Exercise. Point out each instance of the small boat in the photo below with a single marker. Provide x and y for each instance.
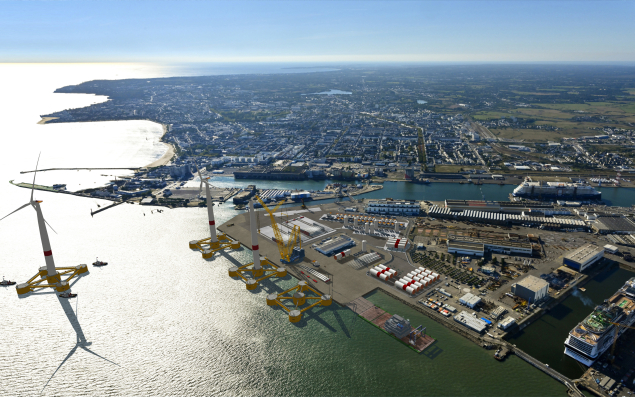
(67, 295)
(582, 289)
(6, 283)
(99, 263)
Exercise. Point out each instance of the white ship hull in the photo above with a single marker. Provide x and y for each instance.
(577, 356)
(556, 190)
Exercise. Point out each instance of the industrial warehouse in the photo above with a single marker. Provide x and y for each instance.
(583, 257)
(498, 218)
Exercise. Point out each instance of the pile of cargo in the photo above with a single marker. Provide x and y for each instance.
(342, 254)
(399, 244)
(383, 272)
(416, 280)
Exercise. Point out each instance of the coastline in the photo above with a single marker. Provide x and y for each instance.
(45, 120)
(168, 154)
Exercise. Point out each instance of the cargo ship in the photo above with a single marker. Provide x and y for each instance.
(557, 190)
(595, 334)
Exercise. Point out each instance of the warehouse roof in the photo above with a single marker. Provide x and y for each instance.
(466, 245)
(533, 283)
(614, 223)
(584, 253)
(470, 321)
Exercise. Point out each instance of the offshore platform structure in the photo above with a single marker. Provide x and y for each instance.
(258, 269)
(291, 250)
(50, 276)
(216, 242)
(298, 296)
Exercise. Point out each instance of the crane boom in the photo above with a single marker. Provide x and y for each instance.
(617, 327)
(286, 249)
(274, 225)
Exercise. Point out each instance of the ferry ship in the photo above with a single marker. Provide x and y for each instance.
(559, 190)
(595, 334)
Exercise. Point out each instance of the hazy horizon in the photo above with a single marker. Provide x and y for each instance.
(317, 32)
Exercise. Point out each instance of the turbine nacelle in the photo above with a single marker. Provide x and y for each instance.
(32, 202)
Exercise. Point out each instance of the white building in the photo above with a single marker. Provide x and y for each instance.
(611, 249)
(390, 207)
(470, 300)
(470, 321)
(583, 257)
(531, 289)
(506, 323)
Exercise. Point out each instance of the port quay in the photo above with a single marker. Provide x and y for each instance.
(359, 253)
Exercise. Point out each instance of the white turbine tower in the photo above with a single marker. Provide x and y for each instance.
(210, 210)
(51, 273)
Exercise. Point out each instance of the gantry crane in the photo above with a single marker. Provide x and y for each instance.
(617, 327)
(292, 249)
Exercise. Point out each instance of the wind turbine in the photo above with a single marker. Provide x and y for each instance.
(48, 272)
(210, 209)
(208, 246)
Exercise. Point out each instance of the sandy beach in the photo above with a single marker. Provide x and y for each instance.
(168, 154)
(47, 119)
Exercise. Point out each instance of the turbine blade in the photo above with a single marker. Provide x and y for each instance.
(200, 188)
(25, 205)
(50, 226)
(34, 174)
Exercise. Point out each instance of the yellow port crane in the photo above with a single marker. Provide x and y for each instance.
(617, 327)
(286, 249)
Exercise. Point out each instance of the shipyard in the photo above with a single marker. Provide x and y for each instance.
(485, 275)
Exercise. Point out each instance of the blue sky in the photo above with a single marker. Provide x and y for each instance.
(317, 31)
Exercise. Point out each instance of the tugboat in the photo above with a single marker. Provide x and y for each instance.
(67, 294)
(99, 263)
(6, 283)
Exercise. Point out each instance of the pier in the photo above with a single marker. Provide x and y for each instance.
(80, 168)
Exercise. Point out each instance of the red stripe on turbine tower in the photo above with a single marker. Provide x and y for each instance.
(212, 222)
(254, 247)
(48, 253)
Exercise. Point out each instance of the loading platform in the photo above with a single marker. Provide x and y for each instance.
(298, 296)
(257, 273)
(56, 281)
(417, 340)
(209, 248)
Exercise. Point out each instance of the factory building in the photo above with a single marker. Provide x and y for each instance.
(391, 207)
(331, 246)
(583, 257)
(489, 244)
(493, 217)
(465, 248)
(531, 289)
(470, 300)
(470, 321)
(617, 224)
